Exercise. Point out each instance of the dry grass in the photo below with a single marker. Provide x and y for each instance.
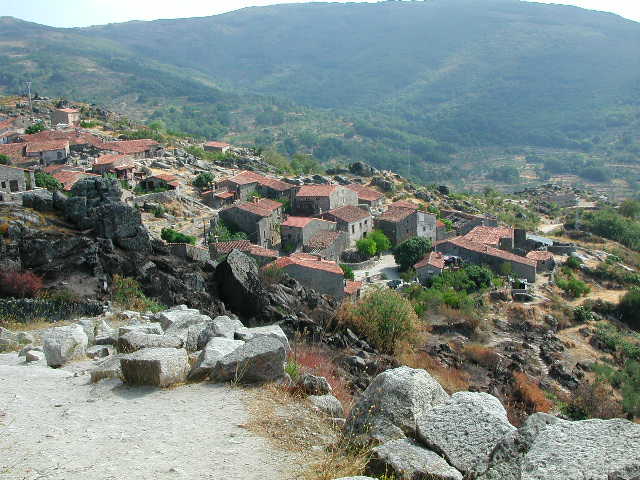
(289, 423)
(484, 356)
(452, 379)
(531, 394)
(37, 324)
(319, 361)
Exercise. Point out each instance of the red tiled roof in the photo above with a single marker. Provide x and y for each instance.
(217, 144)
(47, 146)
(53, 168)
(75, 137)
(253, 208)
(246, 177)
(540, 255)
(351, 288)
(68, 110)
(17, 168)
(323, 239)
(69, 178)
(440, 223)
(222, 194)
(109, 159)
(268, 204)
(349, 213)
(227, 247)
(488, 250)
(365, 193)
(308, 261)
(435, 259)
(489, 235)
(298, 222)
(261, 252)
(15, 151)
(130, 146)
(404, 204)
(396, 214)
(7, 123)
(316, 190)
(167, 177)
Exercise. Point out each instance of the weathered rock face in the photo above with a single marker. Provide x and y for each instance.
(122, 224)
(593, 449)
(465, 430)
(239, 286)
(273, 331)
(222, 326)
(390, 407)
(362, 169)
(327, 404)
(63, 344)
(313, 385)
(259, 360)
(189, 329)
(159, 367)
(151, 328)
(409, 461)
(107, 368)
(137, 340)
(216, 349)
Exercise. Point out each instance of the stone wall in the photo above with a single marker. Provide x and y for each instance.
(190, 252)
(159, 197)
(299, 236)
(319, 280)
(15, 180)
(23, 310)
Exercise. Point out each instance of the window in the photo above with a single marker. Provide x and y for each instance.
(353, 229)
(13, 185)
(4, 184)
(59, 155)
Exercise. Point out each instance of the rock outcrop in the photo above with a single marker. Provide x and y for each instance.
(239, 286)
(216, 349)
(160, 367)
(64, 344)
(259, 360)
(392, 404)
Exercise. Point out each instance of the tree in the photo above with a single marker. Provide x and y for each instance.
(35, 128)
(204, 180)
(630, 208)
(382, 242)
(171, 236)
(44, 180)
(410, 252)
(629, 308)
(367, 247)
(348, 271)
(4, 160)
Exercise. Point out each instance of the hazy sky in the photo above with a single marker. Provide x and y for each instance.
(80, 13)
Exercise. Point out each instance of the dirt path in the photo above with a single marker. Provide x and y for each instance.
(55, 425)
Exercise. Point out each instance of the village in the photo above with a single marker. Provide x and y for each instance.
(311, 228)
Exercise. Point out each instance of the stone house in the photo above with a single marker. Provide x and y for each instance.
(9, 131)
(479, 254)
(442, 233)
(403, 221)
(122, 166)
(430, 266)
(367, 196)
(16, 153)
(324, 276)
(497, 237)
(78, 139)
(15, 180)
(216, 147)
(318, 199)
(463, 223)
(352, 289)
(327, 244)
(259, 219)
(544, 260)
(261, 255)
(245, 183)
(295, 232)
(143, 148)
(217, 199)
(67, 116)
(68, 178)
(162, 181)
(354, 221)
(45, 153)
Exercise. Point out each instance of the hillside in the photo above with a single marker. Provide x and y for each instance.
(439, 91)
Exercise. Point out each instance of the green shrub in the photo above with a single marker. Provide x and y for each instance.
(629, 308)
(293, 368)
(159, 211)
(127, 294)
(226, 233)
(582, 314)
(271, 274)
(204, 181)
(573, 287)
(382, 241)
(44, 180)
(410, 252)
(171, 236)
(4, 160)
(35, 128)
(367, 247)
(383, 316)
(573, 263)
(348, 272)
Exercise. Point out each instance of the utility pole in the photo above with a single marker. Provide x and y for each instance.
(29, 93)
(408, 163)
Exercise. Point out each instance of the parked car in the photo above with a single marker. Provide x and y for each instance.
(395, 284)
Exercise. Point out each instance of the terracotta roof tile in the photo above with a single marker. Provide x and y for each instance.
(130, 146)
(489, 235)
(365, 193)
(487, 250)
(75, 137)
(35, 147)
(316, 190)
(217, 144)
(7, 123)
(268, 204)
(246, 177)
(226, 247)
(167, 177)
(69, 178)
(351, 288)
(223, 194)
(322, 240)
(68, 110)
(435, 259)
(404, 204)
(15, 151)
(396, 214)
(348, 213)
(540, 255)
(308, 261)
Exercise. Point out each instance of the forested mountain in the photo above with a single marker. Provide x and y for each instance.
(412, 81)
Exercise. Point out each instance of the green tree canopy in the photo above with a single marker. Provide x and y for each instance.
(382, 242)
(410, 252)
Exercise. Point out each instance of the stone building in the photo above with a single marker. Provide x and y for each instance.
(544, 260)
(216, 147)
(295, 232)
(480, 254)
(324, 276)
(46, 153)
(138, 149)
(68, 178)
(354, 221)
(9, 132)
(217, 199)
(66, 116)
(327, 244)
(259, 219)
(162, 181)
(261, 255)
(14, 180)
(430, 266)
(403, 221)
(463, 223)
(497, 237)
(122, 166)
(245, 183)
(367, 196)
(318, 199)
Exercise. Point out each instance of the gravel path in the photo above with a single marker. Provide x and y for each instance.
(55, 425)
